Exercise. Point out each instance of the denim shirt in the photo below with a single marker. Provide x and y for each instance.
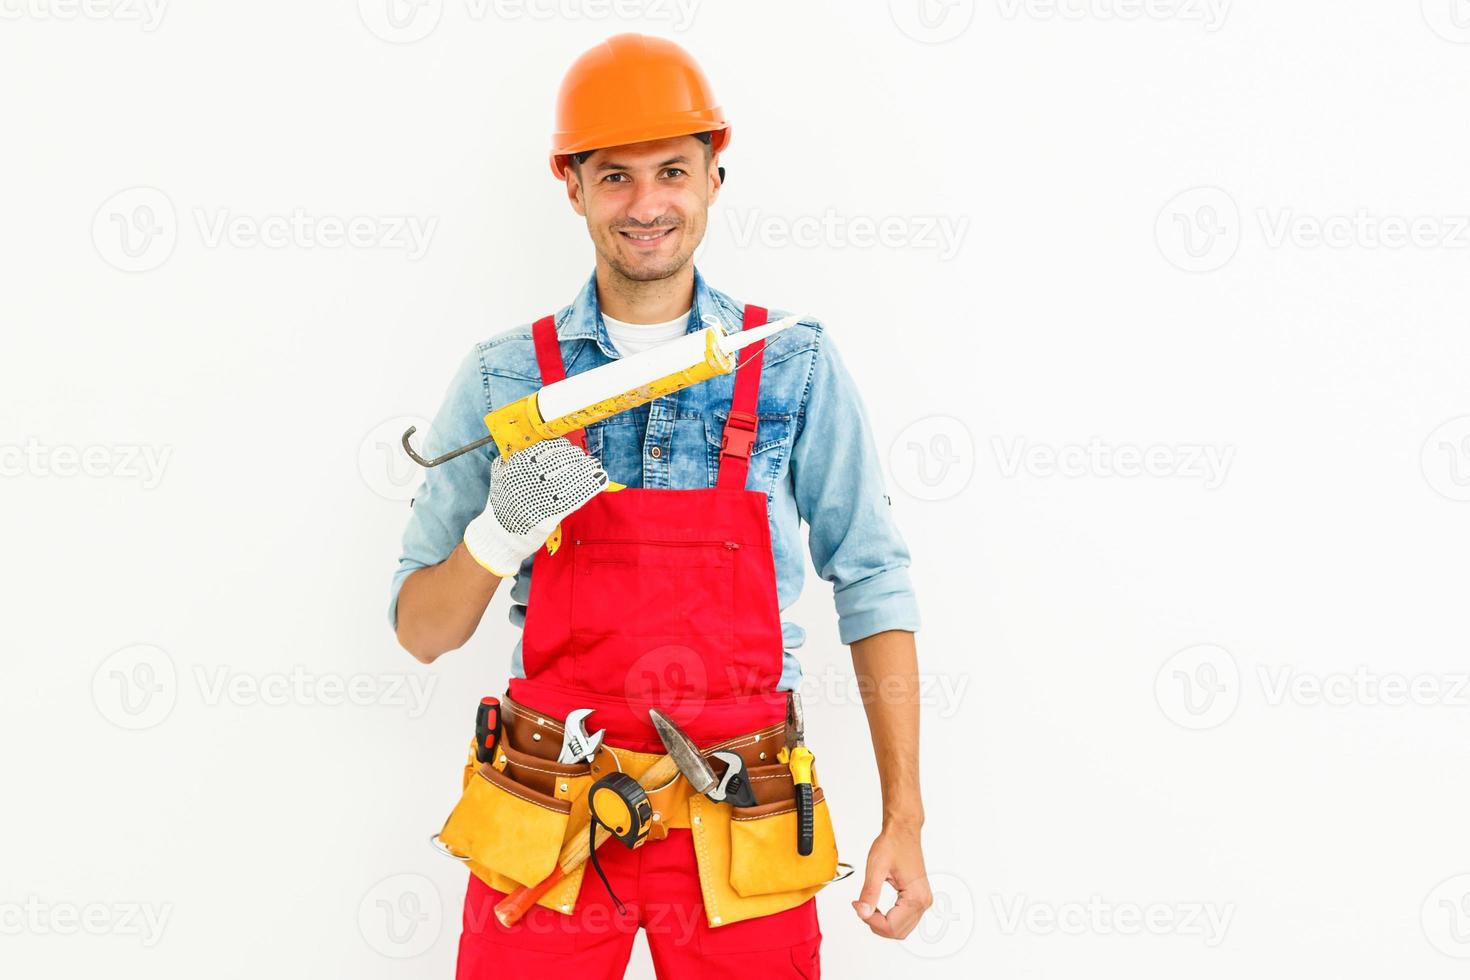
(814, 458)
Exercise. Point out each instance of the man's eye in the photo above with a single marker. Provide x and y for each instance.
(674, 170)
(611, 176)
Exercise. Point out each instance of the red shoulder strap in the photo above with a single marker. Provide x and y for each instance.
(548, 359)
(740, 428)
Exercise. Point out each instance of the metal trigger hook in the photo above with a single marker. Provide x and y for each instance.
(453, 454)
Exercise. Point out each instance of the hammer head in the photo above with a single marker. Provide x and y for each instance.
(576, 744)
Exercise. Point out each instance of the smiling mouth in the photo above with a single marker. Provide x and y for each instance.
(646, 237)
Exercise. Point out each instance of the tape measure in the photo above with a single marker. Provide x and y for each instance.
(619, 805)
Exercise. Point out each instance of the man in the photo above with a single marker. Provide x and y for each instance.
(676, 582)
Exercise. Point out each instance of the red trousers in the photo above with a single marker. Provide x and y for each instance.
(659, 886)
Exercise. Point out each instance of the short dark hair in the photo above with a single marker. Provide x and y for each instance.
(580, 158)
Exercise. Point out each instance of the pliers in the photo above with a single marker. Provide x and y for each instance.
(800, 759)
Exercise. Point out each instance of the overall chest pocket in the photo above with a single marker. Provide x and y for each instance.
(652, 590)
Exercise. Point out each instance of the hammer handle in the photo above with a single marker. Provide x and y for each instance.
(574, 853)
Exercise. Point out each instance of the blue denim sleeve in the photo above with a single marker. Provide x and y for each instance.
(453, 493)
(839, 488)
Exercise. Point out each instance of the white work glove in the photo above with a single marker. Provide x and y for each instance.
(530, 493)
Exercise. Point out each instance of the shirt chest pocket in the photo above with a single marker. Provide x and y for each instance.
(768, 455)
(619, 443)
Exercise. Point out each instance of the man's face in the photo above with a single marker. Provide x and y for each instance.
(645, 204)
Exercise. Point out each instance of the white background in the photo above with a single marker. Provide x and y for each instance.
(1125, 720)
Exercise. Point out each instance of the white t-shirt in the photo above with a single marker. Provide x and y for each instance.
(635, 338)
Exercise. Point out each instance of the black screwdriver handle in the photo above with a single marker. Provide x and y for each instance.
(487, 729)
(805, 820)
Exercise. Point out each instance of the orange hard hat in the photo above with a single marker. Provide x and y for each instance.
(632, 88)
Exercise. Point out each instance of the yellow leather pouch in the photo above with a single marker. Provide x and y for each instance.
(748, 864)
(670, 800)
(507, 827)
(763, 857)
(513, 817)
(471, 764)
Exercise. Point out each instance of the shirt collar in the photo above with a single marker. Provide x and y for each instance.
(583, 320)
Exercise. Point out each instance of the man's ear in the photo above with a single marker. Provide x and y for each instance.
(716, 178)
(574, 191)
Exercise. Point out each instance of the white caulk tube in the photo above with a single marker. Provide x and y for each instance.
(631, 373)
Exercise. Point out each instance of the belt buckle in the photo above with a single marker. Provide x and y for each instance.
(738, 439)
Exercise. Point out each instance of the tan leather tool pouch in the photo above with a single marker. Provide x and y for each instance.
(514, 815)
(748, 862)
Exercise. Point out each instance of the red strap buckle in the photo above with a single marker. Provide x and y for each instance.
(739, 436)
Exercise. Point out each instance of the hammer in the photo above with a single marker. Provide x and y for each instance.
(574, 852)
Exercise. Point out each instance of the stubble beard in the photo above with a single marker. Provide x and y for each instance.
(650, 271)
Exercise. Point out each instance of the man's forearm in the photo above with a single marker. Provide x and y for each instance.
(439, 607)
(887, 669)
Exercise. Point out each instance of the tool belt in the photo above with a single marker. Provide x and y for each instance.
(520, 808)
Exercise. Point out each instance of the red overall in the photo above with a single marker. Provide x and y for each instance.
(664, 599)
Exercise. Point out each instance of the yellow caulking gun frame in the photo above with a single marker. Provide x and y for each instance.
(520, 424)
